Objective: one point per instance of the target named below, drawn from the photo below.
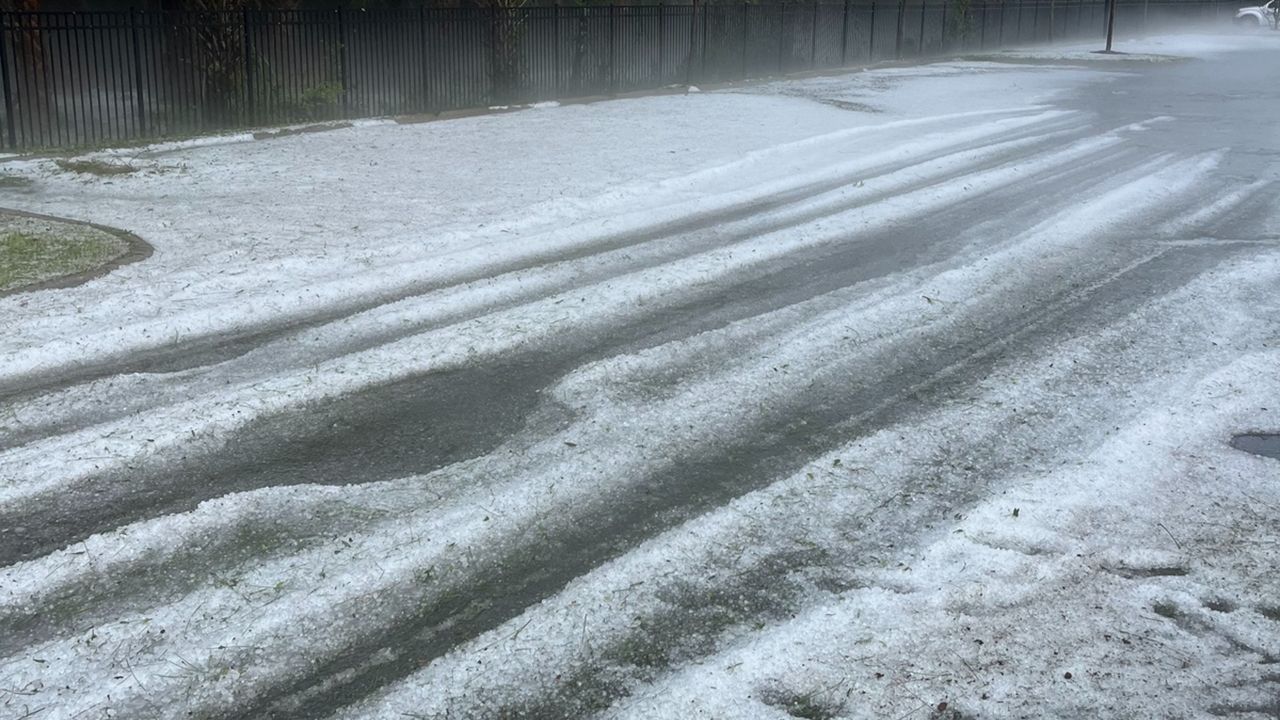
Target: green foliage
(960, 22)
(317, 101)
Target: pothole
(1264, 444)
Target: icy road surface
(848, 397)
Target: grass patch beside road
(29, 256)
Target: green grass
(26, 259)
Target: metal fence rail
(94, 78)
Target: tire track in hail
(811, 426)
(219, 347)
(424, 422)
(287, 349)
(664, 495)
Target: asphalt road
(496, 415)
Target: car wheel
(1248, 22)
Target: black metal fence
(93, 78)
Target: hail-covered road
(899, 392)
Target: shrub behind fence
(94, 78)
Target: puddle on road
(1264, 444)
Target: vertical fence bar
(702, 64)
(813, 38)
(942, 37)
(982, 32)
(744, 38)
(424, 104)
(613, 63)
(693, 34)
(902, 18)
(343, 71)
(662, 35)
(920, 39)
(782, 24)
(871, 33)
(11, 130)
(844, 36)
(141, 123)
(248, 66)
(555, 63)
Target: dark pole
(744, 40)
(844, 36)
(693, 36)
(813, 38)
(982, 31)
(871, 33)
(702, 64)
(342, 63)
(661, 46)
(10, 125)
(248, 66)
(555, 63)
(782, 25)
(613, 74)
(1000, 29)
(902, 17)
(920, 40)
(942, 39)
(1111, 23)
(422, 57)
(137, 72)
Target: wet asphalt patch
(1264, 444)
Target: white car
(1258, 15)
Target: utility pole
(1111, 25)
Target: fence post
(424, 105)
(613, 63)
(137, 72)
(942, 35)
(11, 129)
(702, 65)
(248, 66)
(782, 25)
(744, 39)
(982, 32)
(920, 40)
(902, 18)
(871, 34)
(497, 93)
(342, 62)
(662, 17)
(813, 38)
(555, 63)
(844, 36)
(693, 34)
